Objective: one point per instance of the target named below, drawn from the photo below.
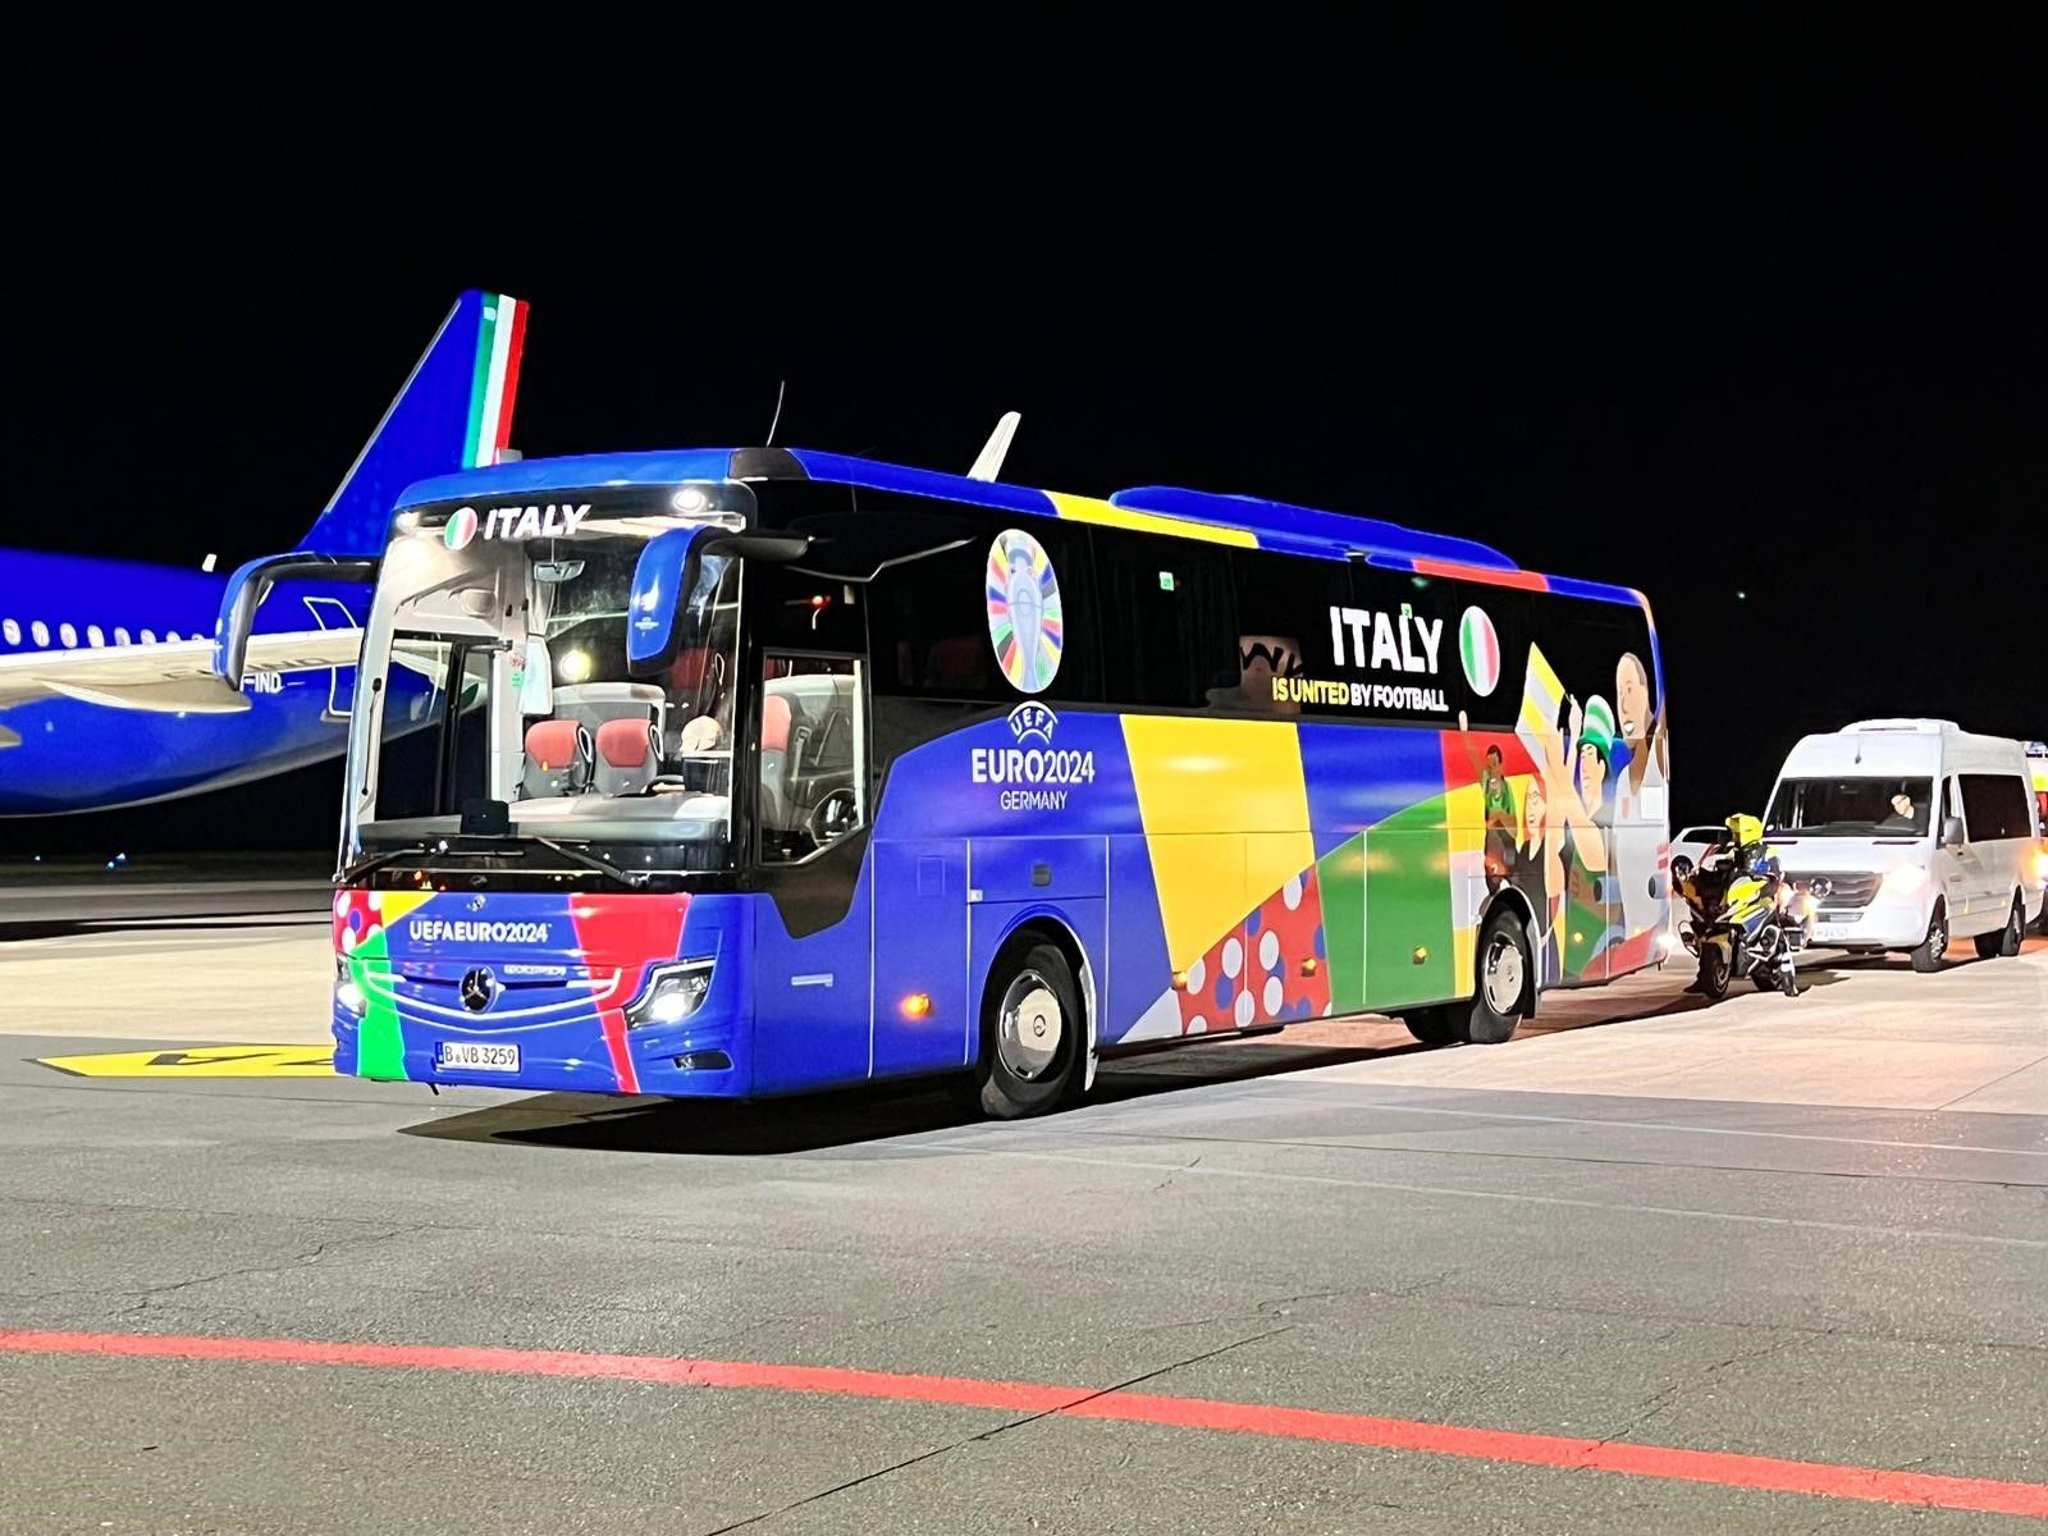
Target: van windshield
(1858, 807)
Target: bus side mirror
(1952, 832)
(651, 633)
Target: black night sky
(1706, 348)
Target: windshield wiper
(445, 849)
(587, 859)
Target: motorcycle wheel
(1788, 981)
(1713, 977)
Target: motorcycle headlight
(1904, 879)
(672, 994)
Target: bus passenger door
(924, 1018)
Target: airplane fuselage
(75, 756)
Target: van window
(1858, 807)
(1995, 806)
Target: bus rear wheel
(1033, 1032)
(1507, 980)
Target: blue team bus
(747, 772)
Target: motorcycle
(1746, 920)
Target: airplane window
(149, 637)
(68, 634)
(120, 636)
(12, 631)
(93, 635)
(41, 631)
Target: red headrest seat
(775, 723)
(625, 743)
(554, 745)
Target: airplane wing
(170, 676)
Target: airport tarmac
(1771, 1265)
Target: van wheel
(1927, 958)
(2006, 941)
(1431, 1026)
(1507, 979)
(1033, 1032)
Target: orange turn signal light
(917, 1005)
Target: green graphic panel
(1340, 874)
(380, 1050)
(1410, 956)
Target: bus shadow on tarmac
(850, 1118)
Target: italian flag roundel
(1480, 648)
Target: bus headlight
(672, 994)
(1904, 879)
(347, 995)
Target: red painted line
(1870, 1485)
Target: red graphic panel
(1270, 968)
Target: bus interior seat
(592, 704)
(560, 756)
(777, 719)
(628, 756)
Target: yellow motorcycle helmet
(1743, 831)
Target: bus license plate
(479, 1056)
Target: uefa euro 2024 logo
(1026, 623)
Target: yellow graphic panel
(1225, 810)
(1465, 825)
(203, 1061)
(1086, 509)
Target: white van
(1907, 833)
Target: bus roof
(1244, 521)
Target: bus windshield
(602, 767)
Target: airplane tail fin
(989, 462)
(455, 412)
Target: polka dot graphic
(1267, 969)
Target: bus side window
(1171, 636)
(813, 787)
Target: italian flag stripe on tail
(495, 382)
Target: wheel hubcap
(1030, 1026)
(1502, 979)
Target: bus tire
(1431, 1026)
(1506, 980)
(1033, 1032)
(1927, 957)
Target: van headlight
(347, 995)
(1904, 879)
(672, 994)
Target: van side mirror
(1952, 832)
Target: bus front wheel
(1506, 981)
(1033, 1032)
